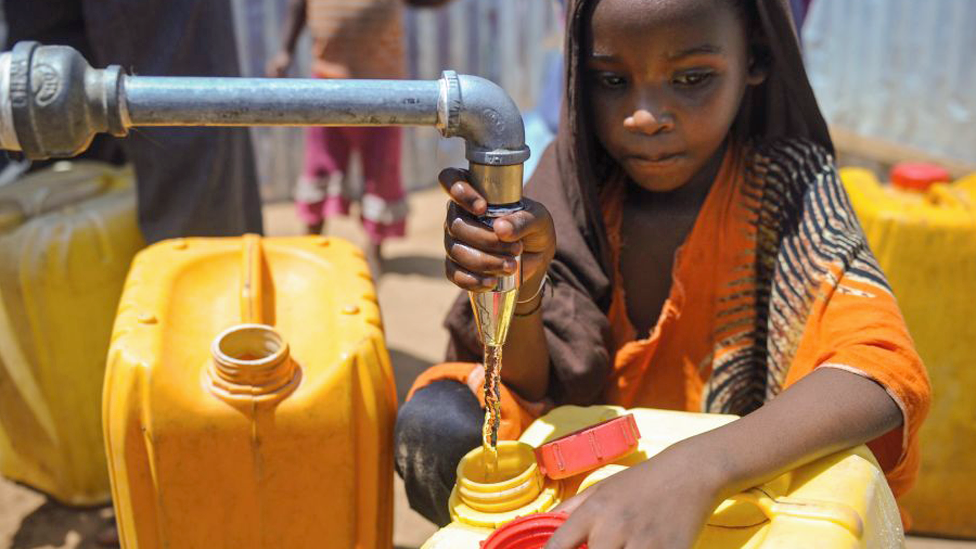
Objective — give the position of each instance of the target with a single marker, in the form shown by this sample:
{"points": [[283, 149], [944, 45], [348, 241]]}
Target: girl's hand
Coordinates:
{"points": [[665, 501], [662, 503], [477, 254], [327, 69], [278, 66]]}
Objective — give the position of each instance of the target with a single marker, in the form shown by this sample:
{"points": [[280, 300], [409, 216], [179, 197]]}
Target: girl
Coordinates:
{"points": [[686, 244]]}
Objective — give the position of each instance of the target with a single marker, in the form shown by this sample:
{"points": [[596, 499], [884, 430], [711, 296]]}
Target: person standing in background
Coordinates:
{"points": [[350, 39], [190, 181], [800, 10]]}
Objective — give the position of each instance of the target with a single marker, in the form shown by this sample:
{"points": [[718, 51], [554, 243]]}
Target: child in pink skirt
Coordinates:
{"points": [[351, 39], [322, 192]]}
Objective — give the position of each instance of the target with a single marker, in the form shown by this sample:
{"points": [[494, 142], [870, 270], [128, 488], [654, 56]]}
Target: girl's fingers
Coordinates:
{"points": [[478, 261], [477, 252], [465, 279], [464, 227], [571, 534], [532, 225], [531, 264], [605, 536], [573, 503], [645, 543], [454, 181], [516, 226]]}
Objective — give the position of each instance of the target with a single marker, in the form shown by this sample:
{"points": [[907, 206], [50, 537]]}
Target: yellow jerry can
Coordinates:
{"points": [[840, 501], [67, 236], [923, 233], [249, 400]]}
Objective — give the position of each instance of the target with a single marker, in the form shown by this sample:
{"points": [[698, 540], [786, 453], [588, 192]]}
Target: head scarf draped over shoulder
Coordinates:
{"points": [[568, 181]]}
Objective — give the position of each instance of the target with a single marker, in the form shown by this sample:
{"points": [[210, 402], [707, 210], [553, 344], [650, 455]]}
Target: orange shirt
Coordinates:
{"points": [[854, 324]]}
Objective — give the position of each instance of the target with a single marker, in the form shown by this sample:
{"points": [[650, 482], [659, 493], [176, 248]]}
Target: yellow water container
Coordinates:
{"points": [[249, 400], [923, 233], [67, 236], [841, 501]]}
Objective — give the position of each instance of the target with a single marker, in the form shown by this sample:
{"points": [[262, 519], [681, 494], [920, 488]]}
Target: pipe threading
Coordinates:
{"points": [[515, 483], [251, 360]]}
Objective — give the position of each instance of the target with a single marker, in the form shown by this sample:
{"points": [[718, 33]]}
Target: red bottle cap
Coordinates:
{"points": [[918, 177], [588, 448], [531, 532]]}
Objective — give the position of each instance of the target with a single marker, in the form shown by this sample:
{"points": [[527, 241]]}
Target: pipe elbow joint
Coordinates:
{"points": [[484, 115], [52, 102]]}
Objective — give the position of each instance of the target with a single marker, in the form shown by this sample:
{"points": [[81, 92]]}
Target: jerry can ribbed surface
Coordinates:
{"points": [[925, 241], [249, 399], [839, 502], [67, 236]]}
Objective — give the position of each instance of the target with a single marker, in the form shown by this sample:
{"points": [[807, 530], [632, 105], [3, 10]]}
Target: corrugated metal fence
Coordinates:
{"points": [[898, 70], [503, 40]]}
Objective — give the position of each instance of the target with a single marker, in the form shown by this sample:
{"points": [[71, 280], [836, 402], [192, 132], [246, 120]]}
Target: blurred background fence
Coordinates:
{"points": [[897, 78], [503, 40]]}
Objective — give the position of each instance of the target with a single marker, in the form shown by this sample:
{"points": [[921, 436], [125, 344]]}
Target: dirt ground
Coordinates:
{"points": [[413, 296]]}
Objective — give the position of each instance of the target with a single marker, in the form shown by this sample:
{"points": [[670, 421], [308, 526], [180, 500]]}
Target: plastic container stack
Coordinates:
{"points": [[67, 236], [922, 228]]}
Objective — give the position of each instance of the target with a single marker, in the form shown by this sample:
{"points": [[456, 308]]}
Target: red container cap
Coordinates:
{"points": [[531, 532], [588, 448], [918, 177]]}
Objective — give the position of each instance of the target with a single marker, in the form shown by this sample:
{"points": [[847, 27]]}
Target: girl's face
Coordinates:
{"points": [[664, 80]]}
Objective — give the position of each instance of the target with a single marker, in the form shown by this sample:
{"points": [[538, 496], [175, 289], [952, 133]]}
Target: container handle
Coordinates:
{"points": [[808, 509]]}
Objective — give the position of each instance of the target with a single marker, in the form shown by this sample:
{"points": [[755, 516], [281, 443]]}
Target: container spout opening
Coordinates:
{"points": [[516, 481], [250, 345], [486, 497], [251, 359]]}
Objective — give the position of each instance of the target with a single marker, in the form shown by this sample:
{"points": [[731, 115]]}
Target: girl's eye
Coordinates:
{"points": [[612, 81], [692, 79]]}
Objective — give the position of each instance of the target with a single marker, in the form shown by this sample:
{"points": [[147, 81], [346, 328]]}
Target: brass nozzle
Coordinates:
{"points": [[498, 184]]}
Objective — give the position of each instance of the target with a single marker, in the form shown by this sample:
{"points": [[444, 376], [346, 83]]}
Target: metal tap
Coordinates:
{"points": [[52, 103]]}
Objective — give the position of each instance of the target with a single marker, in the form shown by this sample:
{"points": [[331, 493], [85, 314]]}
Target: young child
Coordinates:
{"points": [[686, 245], [351, 39]]}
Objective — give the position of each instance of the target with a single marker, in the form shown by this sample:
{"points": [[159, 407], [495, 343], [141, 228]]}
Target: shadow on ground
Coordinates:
{"points": [[422, 265], [54, 525], [406, 368]]}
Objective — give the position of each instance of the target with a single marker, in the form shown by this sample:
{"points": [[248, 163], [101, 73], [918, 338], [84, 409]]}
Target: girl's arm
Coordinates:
{"points": [[665, 501], [526, 347], [827, 411], [295, 16], [294, 23], [477, 254]]}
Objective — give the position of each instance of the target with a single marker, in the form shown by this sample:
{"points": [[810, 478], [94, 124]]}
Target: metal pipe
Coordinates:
{"points": [[52, 103], [185, 101], [57, 103]]}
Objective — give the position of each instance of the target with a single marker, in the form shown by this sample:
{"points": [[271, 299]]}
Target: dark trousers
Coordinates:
{"points": [[190, 181], [434, 430]]}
